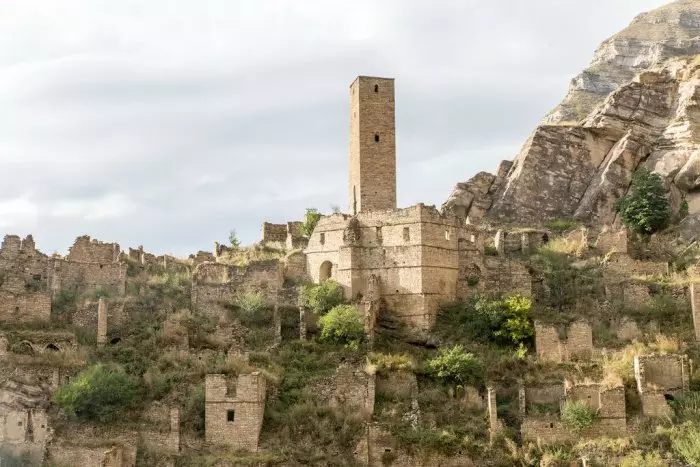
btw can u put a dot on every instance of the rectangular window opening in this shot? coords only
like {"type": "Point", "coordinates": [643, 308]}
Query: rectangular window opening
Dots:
{"type": "Point", "coordinates": [406, 234]}
{"type": "Point", "coordinates": [230, 415]}
{"type": "Point", "coordinates": [323, 239]}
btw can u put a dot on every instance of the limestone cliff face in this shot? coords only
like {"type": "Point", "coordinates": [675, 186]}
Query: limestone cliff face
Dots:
{"type": "Point", "coordinates": [579, 170]}
{"type": "Point", "coordinates": [670, 31]}
{"type": "Point", "coordinates": [636, 104]}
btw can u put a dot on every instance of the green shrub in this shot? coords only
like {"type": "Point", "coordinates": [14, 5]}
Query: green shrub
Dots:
{"type": "Point", "coordinates": [322, 297]}
{"type": "Point", "coordinates": [645, 209]}
{"type": "Point", "coordinates": [98, 394]}
{"type": "Point", "coordinates": [639, 459]}
{"type": "Point", "coordinates": [251, 302]}
{"type": "Point", "coordinates": [685, 442]}
{"type": "Point", "coordinates": [193, 410]}
{"type": "Point", "coordinates": [311, 218]}
{"type": "Point", "coordinates": [683, 210]}
{"type": "Point", "coordinates": [342, 325]}
{"type": "Point", "coordinates": [578, 416]}
{"type": "Point", "coordinates": [64, 304]}
{"type": "Point", "coordinates": [233, 239]}
{"type": "Point", "coordinates": [687, 406]}
{"type": "Point", "coordinates": [457, 367]}
{"type": "Point", "coordinates": [560, 225]}
{"type": "Point", "coordinates": [490, 250]}
{"type": "Point", "coordinates": [504, 322]}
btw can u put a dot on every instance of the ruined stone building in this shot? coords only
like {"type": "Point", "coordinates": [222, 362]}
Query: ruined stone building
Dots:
{"type": "Point", "coordinates": [418, 256]}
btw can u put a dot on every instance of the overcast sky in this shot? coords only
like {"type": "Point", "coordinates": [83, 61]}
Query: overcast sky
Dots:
{"type": "Point", "coordinates": [168, 123]}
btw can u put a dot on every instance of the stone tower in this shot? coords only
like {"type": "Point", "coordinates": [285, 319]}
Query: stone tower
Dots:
{"type": "Point", "coordinates": [372, 144]}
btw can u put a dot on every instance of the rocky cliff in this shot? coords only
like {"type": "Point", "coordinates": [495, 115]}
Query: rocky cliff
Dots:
{"type": "Point", "coordinates": [578, 170]}
{"type": "Point", "coordinates": [670, 31]}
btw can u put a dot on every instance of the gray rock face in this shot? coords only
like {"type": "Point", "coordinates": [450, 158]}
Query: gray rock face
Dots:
{"type": "Point", "coordinates": [649, 117]}
{"type": "Point", "coordinates": [670, 31]}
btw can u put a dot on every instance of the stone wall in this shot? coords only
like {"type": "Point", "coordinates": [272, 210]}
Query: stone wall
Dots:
{"type": "Point", "coordinates": [372, 184]}
{"type": "Point", "coordinates": [69, 455]}
{"type": "Point", "coordinates": [87, 277]}
{"type": "Point", "coordinates": [87, 250]}
{"type": "Point", "coordinates": [578, 343]}
{"type": "Point", "coordinates": [412, 251]}
{"type": "Point", "coordinates": [351, 388]}
{"type": "Point", "coordinates": [234, 415]}
{"type": "Point", "coordinates": [695, 302]}
{"type": "Point", "coordinates": [610, 240]}
{"type": "Point", "coordinates": [216, 284]}
{"type": "Point", "coordinates": [658, 376]}
{"type": "Point", "coordinates": [25, 307]}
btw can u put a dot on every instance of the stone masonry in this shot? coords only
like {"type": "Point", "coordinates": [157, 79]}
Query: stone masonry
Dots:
{"type": "Point", "coordinates": [695, 302]}
{"type": "Point", "coordinates": [659, 377]}
{"type": "Point", "coordinates": [234, 413]}
{"type": "Point", "coordinates": [372, 145]}
{"type": "Point", "coordinates": [578, 343]}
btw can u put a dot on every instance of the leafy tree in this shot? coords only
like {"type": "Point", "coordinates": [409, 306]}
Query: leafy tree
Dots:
{"type": "Point", "coordinates": [311, 218]}
{"type": "Point", "coordinates": [322, 297]}
{"type": "Point", "coordinates": [645, 209]}
{"type": "Point", "coordinates": [233, 239]}
{"type": "Point", "coordinates": [342, 325]}
{"type": "Point", "coordinates": [517, 325]}
{"type": "Point", "coordinates": [455, 366]}
{"type": "Point", "coordinates": [578, 416]}
{"type": "Point", "coordinates": [98, 394]}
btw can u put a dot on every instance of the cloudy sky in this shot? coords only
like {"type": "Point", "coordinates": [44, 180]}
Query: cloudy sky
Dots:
{"type": "Point", "coordinates": [167, 123]}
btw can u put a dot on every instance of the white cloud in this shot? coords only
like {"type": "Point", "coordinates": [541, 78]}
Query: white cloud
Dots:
{"type": "Point", "coordinates": [17, 213]}
{"type": "Point", "coordinates": [166, 123]}
{"type": "Point", "coordinates": [111, 206]}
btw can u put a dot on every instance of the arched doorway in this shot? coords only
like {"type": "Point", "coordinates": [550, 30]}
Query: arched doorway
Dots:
{"type": "Point", "coordinates": [52, 348]}
{"type": "Point", "coordinates": [326, 271]}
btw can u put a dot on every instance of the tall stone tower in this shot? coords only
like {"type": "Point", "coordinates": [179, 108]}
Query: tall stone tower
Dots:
{"type": "Point", "coordinates": [372, 144]}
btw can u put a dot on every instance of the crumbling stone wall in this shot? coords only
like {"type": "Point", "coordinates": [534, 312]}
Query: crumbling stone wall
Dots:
{"type": "Point", "coordinates": [88, 250]}
{"type": "Point", "coordinates": [695, 304]}
{"type": "Point", "coordinates": [658, 376]}
{"type": "Point", "coordinates": [234, 415]}
{"type": "Point", "coordinates": [611, 240]}
{"type": "Point", "coordinates": [412, 251]}
{"type": "Point", "coordinates": [216, 284]}
{"type": "Point", "coordinates": [521, 241]}
{"type": "Point", "coordinates": [87, 277]}
{"type": "Point", "coordinates": [577, 345]}
{"type": "Point", "coordinates": [351, 388]}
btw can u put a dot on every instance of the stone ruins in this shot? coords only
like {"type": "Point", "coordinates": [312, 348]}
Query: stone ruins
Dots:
{"type": "Point", "coordinates": [390, 261]}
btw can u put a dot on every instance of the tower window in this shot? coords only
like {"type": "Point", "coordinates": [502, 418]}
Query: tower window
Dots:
{"type": "Point", "coordinates": [376, 137]}
{"type": "Point", "coordinates": [406, 234]}
{"type": "Point", "coordinates": [230, 415]}
{"type": "Point", "coordinates": [376, 88]}
{"type": "Point", "coordinates": [323, 239]}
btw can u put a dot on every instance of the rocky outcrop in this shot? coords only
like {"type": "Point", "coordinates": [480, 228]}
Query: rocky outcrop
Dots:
{"type": "Point", "coordinates": [580, 170]}
{"type": "Point", "coordinates": [670, 31]}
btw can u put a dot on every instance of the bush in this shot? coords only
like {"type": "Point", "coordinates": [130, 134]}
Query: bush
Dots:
{"type": "Point", "coordinates": [342, 325]}
{"type": "Point", "coordinates": [578, 416]}
{"type": "Point", "coordinates": [560, 225]}
{"type": "Point", "coordinates": [251, 302]}
{"type": "Point", "coordinates": [639, 459]}
{"type": "Point", "coordinates": [645, 209]}
{"type": "Point", "coordinates": [193, 411]}
{"type": "Point", "coordinates": [685, 442]}
{"type": "Point", "coordinates": [233, 239]}
{"type": "Point", "coordinates": [98, 394]}
{"type": "Point", "coordinates": [321, 298]}
{"type": "Point", "coordinates": [687, 406]}
{"type": "Point", "coordinates": [311, 218]}
{"type": "Point", "coordinates": [457, 367]}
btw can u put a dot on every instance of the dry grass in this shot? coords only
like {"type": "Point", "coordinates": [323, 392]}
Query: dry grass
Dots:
{"type": "Point", "coordinates": [378, 362]}
{"type": "Point", "coordinates": [621, 363]}
{"type": "Point", "coordinates": [247, 255]}
{"type": "Point", "coordinates": [566, 246]}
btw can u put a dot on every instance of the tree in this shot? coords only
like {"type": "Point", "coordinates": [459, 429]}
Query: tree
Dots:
{"type": "Point", "coordinates": [455, 366]}
{"type": "Point", "coordinates": [322, 297]}
{"type": "Point", "coordinates": [645, 209]}
{"type": "Point", "coordinates": [517, 325]}
{"type": "Point", "coordinates": [311, 218]}
{"type": "Point", "coordinates": [342, 325]}
{"type": "Point", "coordinates": [98, 393]}
{"type": "Point", "coordinates": [233, 239]}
